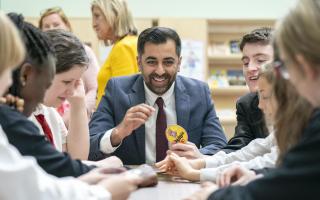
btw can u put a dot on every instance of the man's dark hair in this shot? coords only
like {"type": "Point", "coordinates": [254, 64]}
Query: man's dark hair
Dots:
{"type": "Point", "coordinates": [69, 50]}
{"type": "Point", "coordinates": [261, 35]}
{"type": "Point", "coordinates": [37, 46]}
{"type": "Point", "coordinates": [158, 35]}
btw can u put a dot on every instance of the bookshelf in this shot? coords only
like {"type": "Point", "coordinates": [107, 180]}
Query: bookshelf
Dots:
{"type": "Point", "coordinates": [224, 65]}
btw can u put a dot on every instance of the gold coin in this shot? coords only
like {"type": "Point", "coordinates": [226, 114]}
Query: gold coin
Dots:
{"type": "Point", "coordinates": [176, 133]}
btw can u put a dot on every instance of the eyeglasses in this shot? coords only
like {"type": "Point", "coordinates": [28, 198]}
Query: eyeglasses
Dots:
{"type": "Point", "coordinates": [281, 69]}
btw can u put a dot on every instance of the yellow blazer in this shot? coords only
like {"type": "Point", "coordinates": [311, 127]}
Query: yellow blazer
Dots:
{"type": "Point", "coordinates": [122, 61]}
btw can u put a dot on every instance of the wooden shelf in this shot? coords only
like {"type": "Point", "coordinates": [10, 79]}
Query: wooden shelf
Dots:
{"type": "Point", "coordinates": [230, 91]}
{"type": "Point", "coordinates": [226, 59]}
{"type": "Point", "coordinates": [228, 120]}
{"type": "Point", "coordinates": [237, 26]}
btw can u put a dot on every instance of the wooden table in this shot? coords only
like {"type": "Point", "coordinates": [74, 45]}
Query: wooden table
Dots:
{"type": "Point", "coordinates": [168, 188]}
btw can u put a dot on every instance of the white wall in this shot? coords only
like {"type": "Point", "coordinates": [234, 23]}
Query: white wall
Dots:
{"type": "Point", "coordinates": [219, 9]}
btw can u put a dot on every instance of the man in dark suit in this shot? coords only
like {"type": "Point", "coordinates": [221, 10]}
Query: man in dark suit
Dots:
{"type": "Point", "coordinates": [131, 117]}
{"type": "Point", "coordinates": [256, 50]}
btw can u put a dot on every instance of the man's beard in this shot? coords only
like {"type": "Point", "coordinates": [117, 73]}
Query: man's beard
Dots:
{"type": "Point", "coordinates": [165, 88]}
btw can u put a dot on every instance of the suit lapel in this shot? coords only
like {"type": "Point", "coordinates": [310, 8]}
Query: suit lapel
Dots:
{"type": "Point", "coordinates": [137, 97]}
{"type": "Point", "coordinates": [182, 104]}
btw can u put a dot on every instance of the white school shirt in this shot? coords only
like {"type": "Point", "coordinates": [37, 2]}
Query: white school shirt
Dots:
{"type": "Point", "coordinates": [55, 122]}
{"type": "Point", "coordinates": [150, 125]}
{"type": "Point", "coordinates": [258, 154]}
{"type": "Point", "coordinates": [22, 178]}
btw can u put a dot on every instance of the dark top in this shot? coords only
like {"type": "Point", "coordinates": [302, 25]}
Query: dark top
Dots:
{"type": "Point", "coordinates": [194, 108]}
{"type": "Point", "coordinates": [297, 178]}
{"type": "Point", "coordinates": [25, 136]}
{"type": "Point", "coordinates": [250, 123]}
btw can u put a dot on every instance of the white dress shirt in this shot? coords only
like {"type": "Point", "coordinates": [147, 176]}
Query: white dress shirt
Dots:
{"type": "Point", "coordinates": [150, 125]}
{"type": "Point", "coordinates": [55, 122]}
{"type": "Point", "coordinates": [258, 154]}
{"type": "Point", "coordinates": [21, 178]}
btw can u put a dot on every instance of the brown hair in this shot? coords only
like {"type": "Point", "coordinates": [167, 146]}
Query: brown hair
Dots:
{"type": "Point", "coordinates": [55, 10]}
{"type": "Point", "coordinates": [292, 115]}
{"type": "Point", "coordinates": [69, 50]}
{"type": "Point", "coordinates": [261, 35]}
{"type": "Point", "coordinates": [293, 111]}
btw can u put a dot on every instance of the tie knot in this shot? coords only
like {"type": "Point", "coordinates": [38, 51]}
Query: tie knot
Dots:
{"type": "Point", "coordinates": [159, 102]}
{"type": "Point", "coordinates": [40, 117]}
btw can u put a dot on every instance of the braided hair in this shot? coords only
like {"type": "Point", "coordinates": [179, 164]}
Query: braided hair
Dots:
{"type": "Point", "coordinates": [38, 48]}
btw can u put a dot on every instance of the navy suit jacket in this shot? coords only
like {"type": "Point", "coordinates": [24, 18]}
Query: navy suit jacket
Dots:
{"type": "Point", "coordinates": [194, 108]}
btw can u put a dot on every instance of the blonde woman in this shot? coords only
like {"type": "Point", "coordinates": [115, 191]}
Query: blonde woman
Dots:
{"type": "Point", "coordinates": [55, 18]}
{"type": "Point", "coordinates": [113, 23]}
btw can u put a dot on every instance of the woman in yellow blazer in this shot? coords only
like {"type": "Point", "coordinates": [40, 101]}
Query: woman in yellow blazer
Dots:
{"type": "Point", "coordinates": [113, 23]}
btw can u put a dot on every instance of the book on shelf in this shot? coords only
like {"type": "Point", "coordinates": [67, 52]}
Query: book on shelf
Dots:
{"type": "Point", "coordinates": [224, 48]}
{"type": "Point", "coordinates": [226, 78]}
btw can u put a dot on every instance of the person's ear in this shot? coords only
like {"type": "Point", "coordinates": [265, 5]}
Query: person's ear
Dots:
{"type": "Point", "coordinates": [25, 72]}
{"type": "Point", "coordinates": [139, 61]}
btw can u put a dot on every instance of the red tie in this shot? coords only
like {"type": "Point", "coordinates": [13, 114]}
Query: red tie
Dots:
{"type": "Point", "coordinates": [161, 125]}
{"type": "Point", "coordinates": [45, 127]}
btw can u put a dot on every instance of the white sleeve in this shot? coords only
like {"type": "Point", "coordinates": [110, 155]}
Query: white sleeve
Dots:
{"type": "Point", "coordinates": [105, 143]}
{"type": "Point", "coordinates": [24, 179]}
{"type": "Point", "coordinates": [267, 160]}
{"type": "Point", "coordinates": [255, 148]}
{"type": "Point", "coordinates": [63, 131]}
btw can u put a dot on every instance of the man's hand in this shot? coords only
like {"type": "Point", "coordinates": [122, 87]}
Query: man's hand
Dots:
{"type": "Point", "coordinates": [134, 118]}
{"type": "Point", "coordinates": [236, 175]}
{"type": "Point", "coordinates": [188, 150]}
{"type": "Point", "coordinates": [204, 192]}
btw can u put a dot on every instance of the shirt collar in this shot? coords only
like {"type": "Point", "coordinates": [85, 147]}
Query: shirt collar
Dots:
{"type": "Point", "coordinates": [151, 97]}
{"type": "Point", "coordinates": [39, 110]}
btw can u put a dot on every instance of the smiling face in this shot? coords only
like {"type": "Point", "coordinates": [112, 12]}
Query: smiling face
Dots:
{"type": "Point", "coordinates": [254, 55]}
{"type": "Point", "coordinates": [63, 86]}
{"type": "Point", "coordinates": [159, 65]}
{"type": "Point", "coordinates": [100, 24]}
{"type": "Point", "coordinates": [53, 21]}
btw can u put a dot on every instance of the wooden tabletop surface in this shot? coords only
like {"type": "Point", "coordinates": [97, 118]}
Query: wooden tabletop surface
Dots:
{"type": "Point", "coordinates": [168, 188]}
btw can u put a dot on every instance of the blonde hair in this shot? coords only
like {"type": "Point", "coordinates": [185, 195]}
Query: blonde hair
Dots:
{"type": "Point", "coordinates": [118, 16]}
{"type": "Point", "coordinates": [299, 32]}
{"type": "Point", "coordinates": [12, 51]}
{"type": "Point", "coordinates": [58, 11]}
